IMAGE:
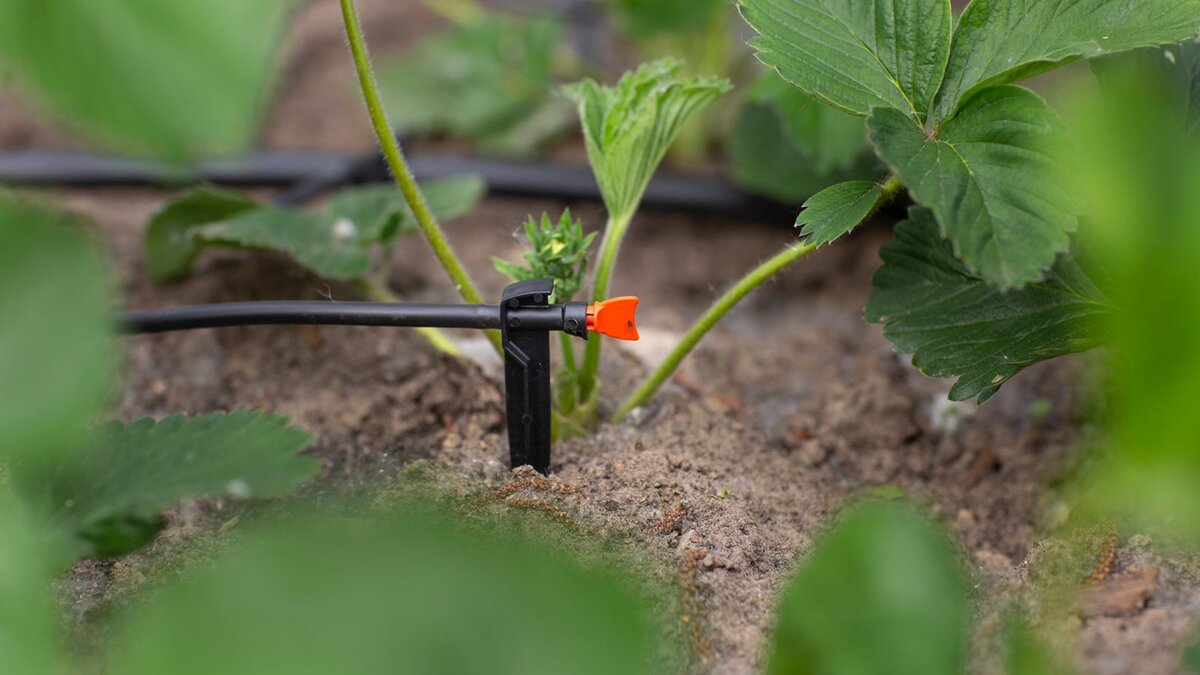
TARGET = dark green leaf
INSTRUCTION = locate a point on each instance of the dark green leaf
(992, 177)
(335, 244)
(330, 248)
(883, 593)
(358, 597)
(856, 55)
(176, 78)
(56, 353)
(108, 500)
(170, 245)
(955, 325)
(484, 81)
(767, 159)
(1001, 41)
(836, 210)
(1174, 70)
(833, 139)
(646, 18)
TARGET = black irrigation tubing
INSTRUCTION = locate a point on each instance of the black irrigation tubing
(306, 175)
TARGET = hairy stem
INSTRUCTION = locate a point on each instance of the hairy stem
(614, 232)
(568, 351)
(438, 339)
(721, 307)
(399, 167)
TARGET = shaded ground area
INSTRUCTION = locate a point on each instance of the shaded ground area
(790, 408)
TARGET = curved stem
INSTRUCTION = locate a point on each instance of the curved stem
(722, 306)
(399, 167)
(614, 232)
(438, 339)
(705, 323)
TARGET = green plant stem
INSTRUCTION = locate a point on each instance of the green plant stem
(399, 167)
(568, 351)
(721, 307)
(438, 339)
(614, 232)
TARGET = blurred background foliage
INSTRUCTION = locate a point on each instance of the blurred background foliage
(419, 594)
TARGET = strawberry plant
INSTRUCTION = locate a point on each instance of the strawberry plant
(99, 491)
(490, 79)
(981, 282)
(353, 240)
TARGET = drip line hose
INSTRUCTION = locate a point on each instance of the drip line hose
(316, 312)
(307, 175)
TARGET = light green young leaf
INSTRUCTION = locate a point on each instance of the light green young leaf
(178, 78)
(992, 177)
(883, 593)
(170, 245)
(836, 210)
(484, 81)
(410, 598)
(107, 501)
(856, 54)
(56, 352)
(555, 250)
(1002, 41)
(628, 127)
(335, 244)
(956, 325)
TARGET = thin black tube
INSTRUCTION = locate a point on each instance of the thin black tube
(307, 175)
(309, 312)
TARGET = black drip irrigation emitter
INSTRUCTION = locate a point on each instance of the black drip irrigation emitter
(524, 317)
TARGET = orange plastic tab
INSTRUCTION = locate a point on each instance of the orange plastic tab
(615, 317)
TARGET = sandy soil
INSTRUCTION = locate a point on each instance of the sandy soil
(790, 408)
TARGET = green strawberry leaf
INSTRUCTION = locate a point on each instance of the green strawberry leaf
(335, 244)
(29, 620)
(856, 55)
(650, 18)
(1002, 41)
(1173, 71)
(484, 81)
(883, 593)
(56, 351)
(170, 246)
(992, 178)
(834, 140)
(108, 500)
(836, 210)
(628, 127)
(412, 597)
(178, 79)
(956, 325)
(331, 248)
